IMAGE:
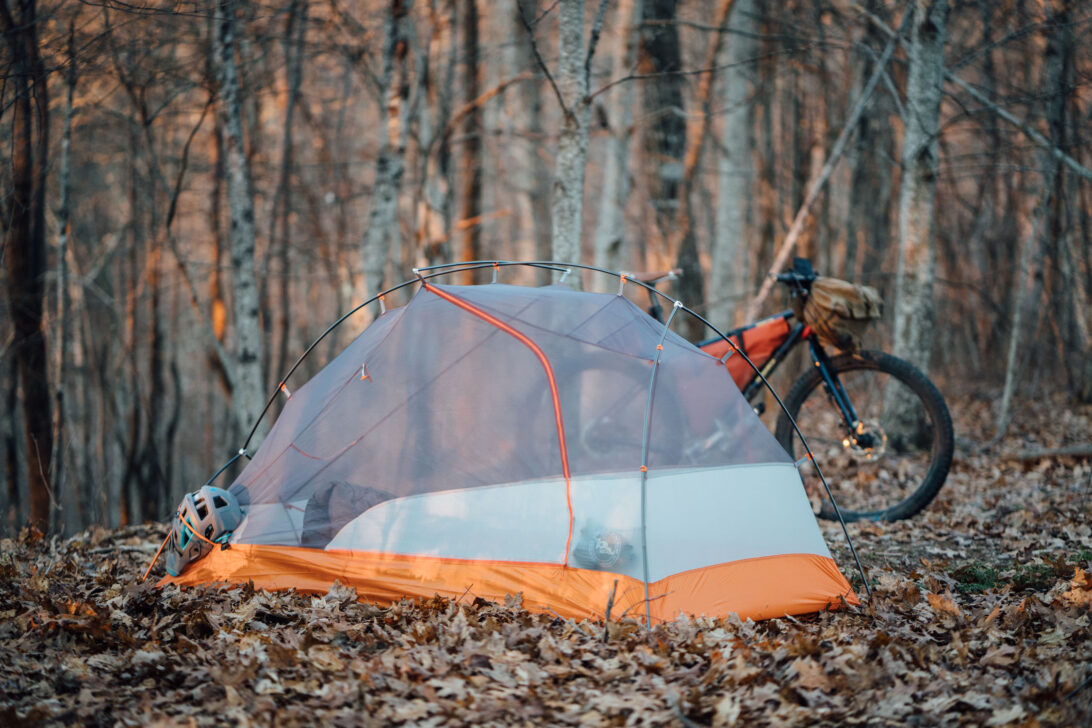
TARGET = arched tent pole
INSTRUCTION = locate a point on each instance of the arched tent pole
(803, 440)
(424, 273)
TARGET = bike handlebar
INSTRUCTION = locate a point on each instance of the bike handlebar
(802, 275)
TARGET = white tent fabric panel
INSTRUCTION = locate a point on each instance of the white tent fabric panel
(509, 522)
(715, 515)
(696, 518)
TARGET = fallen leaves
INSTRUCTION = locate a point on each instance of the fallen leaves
(980, 616)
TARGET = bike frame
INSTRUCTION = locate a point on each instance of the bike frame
(799, 333)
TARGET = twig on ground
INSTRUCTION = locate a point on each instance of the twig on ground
(606, 619)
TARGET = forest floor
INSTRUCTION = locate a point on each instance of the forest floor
(980, 615)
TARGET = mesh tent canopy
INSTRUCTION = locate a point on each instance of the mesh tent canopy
(498, 439)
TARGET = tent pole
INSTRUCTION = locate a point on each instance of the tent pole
(644, 460)
(803, 440)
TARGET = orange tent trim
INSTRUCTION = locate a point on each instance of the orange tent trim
(758, 588)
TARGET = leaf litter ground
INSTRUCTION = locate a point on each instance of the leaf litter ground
(980, 616)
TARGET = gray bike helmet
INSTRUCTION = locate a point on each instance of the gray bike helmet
(211, 512)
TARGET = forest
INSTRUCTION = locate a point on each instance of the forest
(194, 190)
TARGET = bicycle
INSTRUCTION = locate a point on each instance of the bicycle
(882, 435)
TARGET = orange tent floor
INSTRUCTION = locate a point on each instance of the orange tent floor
(759, 588)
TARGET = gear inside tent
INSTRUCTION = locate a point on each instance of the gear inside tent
(495, 439)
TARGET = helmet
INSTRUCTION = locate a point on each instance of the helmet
(206, 515)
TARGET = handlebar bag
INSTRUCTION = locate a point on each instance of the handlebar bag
(840, 311)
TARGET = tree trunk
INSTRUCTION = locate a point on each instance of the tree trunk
(248, 395)
(470, 247)
(665, 129)
(1028, 283)
(294, 33)
(868, 222)
(534, 173)
(572, 147)
(611, 229)
(684, 241)
(735, 168)
(25, 246)
(914, 306)
(914, 309)
(74, 514)
(381, 234)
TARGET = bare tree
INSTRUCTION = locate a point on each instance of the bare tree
(471, 173)
(25, 244)
(572, 146)
(610, 230)
(728, 262)
(914, 309)
(664, 107)
(248, 396)
(1029, 279)
(381, 233)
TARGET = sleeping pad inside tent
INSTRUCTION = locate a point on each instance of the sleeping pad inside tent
(495, 439)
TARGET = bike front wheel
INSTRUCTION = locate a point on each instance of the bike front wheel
(893, 461)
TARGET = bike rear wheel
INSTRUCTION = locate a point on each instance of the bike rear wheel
(895, 462)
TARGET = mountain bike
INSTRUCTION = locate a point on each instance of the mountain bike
(878, 427)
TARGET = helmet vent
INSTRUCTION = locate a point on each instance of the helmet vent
(202, 511)
(218, 502)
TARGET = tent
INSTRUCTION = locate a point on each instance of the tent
(496, 439)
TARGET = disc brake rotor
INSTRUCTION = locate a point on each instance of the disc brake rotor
(869, 442)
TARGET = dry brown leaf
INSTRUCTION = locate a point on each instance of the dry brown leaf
(943, 604)
(1080, 593)
(726, 712)
(1001, 656)
(810, 675)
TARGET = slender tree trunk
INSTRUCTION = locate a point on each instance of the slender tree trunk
(572, 146)
(470, 247)
(735, 169)
(665, 125)
(611, 229)
(535, 175)
(74, 516)
(294, 34)
(914, 307)
(683, 237)
(381, 234)
(13, 515)
(247, 396)
(25, 246)
(868, 222)
(1028, 283)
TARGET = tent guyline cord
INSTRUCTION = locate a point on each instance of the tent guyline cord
(424, 273)
(644, 452)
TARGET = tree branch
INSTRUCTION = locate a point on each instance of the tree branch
(542, 63)
(691, 72)
(817, 184)
(593, 40)
(981, 98)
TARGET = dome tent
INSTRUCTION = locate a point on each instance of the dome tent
(493, 439)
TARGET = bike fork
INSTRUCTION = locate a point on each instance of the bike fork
(835, 389)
